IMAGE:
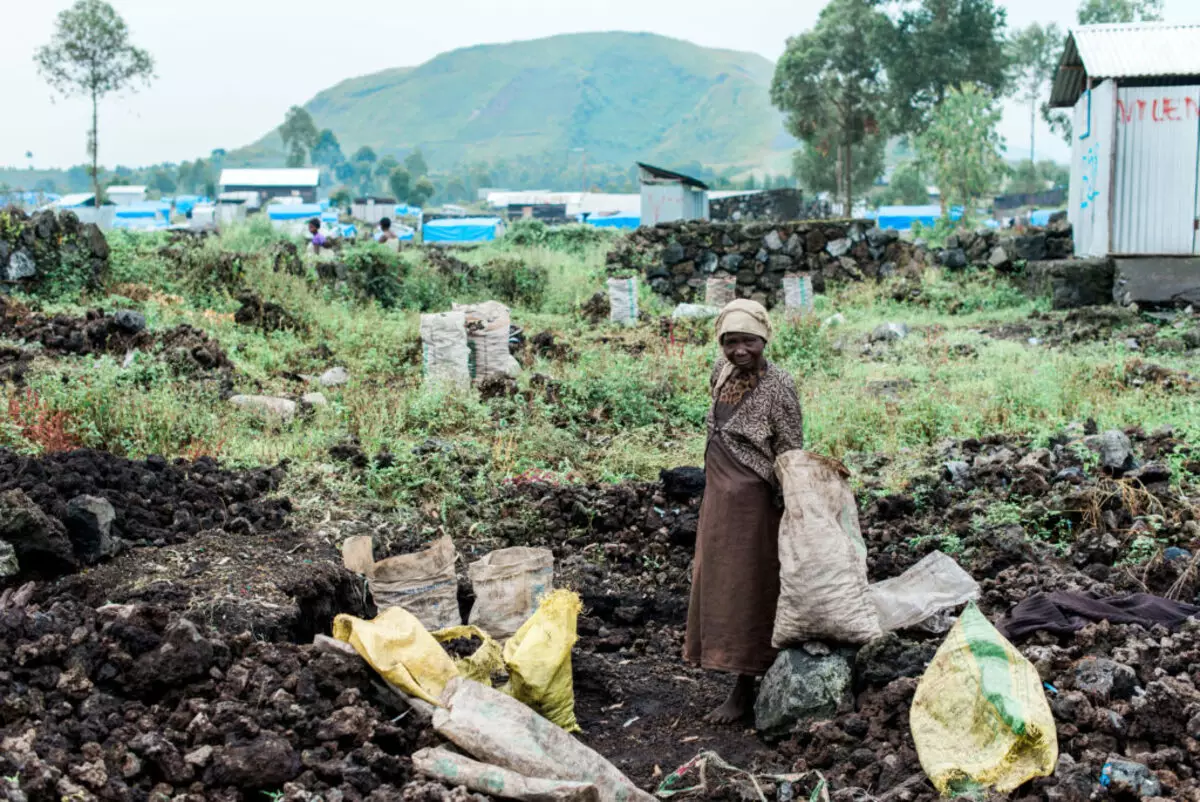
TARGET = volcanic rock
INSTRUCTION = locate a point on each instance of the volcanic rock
(89, 524)
(801, 687)
(39, 541)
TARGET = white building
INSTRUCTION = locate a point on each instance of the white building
(1135, 94)
(668, 196)
(126, 195)
(276, 182)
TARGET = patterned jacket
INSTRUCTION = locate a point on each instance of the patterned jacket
(766, 423)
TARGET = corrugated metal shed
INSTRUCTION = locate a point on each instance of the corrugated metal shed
(272, 177)
(1124, 50)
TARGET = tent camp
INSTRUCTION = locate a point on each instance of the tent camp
(83, 205)
(145, 216)
(902, 218)
(463, 230)
(293, 217)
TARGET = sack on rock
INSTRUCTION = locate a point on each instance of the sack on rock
(538, 658)
(444, 350)
(822, 556)
(487, 340)
(623, 301)
(495, 729)
(455, 770)
(424, 583)
(719, 291)
(509, 585)
(482, 664)
(403, 652)
(934, 584)
(980, 716)
(798, 294)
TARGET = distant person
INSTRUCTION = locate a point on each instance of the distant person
(385, 233)
(318, 239)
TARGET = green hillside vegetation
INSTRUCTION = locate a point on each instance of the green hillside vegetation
(620, 96)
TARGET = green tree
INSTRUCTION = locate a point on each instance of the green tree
(940, 45)
(400, 184)
(456, 190)
(818, 167)
(961, 147)
(831, 86)
(415, 164)
(341, 198)
(365, 154)
(383, 168)
(1093, 12)
(161, 180)
(1025, 178)
(299, 134)
(326, 151)
(90, 54)
(421, 191)
(907, 187)
(1034, 53)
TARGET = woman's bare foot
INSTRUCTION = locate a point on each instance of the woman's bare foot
(735, 708)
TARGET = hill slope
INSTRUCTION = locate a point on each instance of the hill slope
(622, 96)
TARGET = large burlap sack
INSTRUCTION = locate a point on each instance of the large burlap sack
(980, 716)
(446, 356)
(719, 291)
(501, 731)
(509, 585)
(424, 583)
(822, 556)
(623, 301)
(455, 770)
(403, 652)
(487, 340)
(482, 664)
(538, 658)
(798, 295)
(934, 584)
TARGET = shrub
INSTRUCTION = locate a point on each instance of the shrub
(516, 283)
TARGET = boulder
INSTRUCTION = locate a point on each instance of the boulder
(682, 484)
(1103, 679)
(1074, 283)
(129, 321)
(801, 687)
(269, 406)
(890, 658)
(772, 242)
(89, 522)
(673, 253)
(8, 560)
(266, 762)
(184, 655)
(889, 332)
(39, 541)
(731, 262)
(314, 400)
(954, 258)
(1031, 247)
(1114, 448)
(956, 471)
(998, 258)
(839, 247)
(1126, 777)
(20, 266)
(878, 237)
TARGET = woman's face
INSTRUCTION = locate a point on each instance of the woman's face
(744, 351)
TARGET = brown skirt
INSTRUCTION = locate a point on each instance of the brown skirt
(735, 578)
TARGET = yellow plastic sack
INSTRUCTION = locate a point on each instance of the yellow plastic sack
(396, 645)
(539, 659)
(980, 717)
(480, 666)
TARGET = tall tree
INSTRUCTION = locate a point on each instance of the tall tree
(907, 187)
(299, 134)
(1034, 53)
(400, 183)
(415, 164)
(941, 45)
(326, 151)
(817, 165)
(384, 167)
(90, 54)
(365, 154)
(831, 84)
(1093, 12)
(421, 191)
(961, 147)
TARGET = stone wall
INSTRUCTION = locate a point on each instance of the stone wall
(768, 206)
(45, 246)
(677, 259)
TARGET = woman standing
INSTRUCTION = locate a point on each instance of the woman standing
(755, 417)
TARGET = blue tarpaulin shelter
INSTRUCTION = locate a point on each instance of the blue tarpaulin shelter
(404, 210)
(1041, 217)
(185, 203)
(902, 218)
(147, 216)
(462, 229)
(614, 221)
(293, 211)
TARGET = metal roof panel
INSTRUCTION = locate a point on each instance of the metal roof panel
(271, 177)
(1125, 50)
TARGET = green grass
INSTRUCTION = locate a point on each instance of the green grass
(628, 403)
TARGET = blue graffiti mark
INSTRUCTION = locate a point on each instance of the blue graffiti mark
(1090, 178)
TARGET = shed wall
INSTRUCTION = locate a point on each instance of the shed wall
(1091, 169)
(667, 202)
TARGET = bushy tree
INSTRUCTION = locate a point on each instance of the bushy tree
(400, 184)
(961, 148)
(299, 134)
(1093, 12)
(421, 191)
(1034, 53)
(817, 165)
(907, 187)
(415, 164)
(90, 54)
(365, 154)
(341, 198)
(940, 45)
(326, 151)
(832, 87)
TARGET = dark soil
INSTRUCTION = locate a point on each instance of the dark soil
(462, 647)
(266, 316)
(1165, 335)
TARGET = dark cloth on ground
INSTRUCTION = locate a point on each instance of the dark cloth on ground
(1063, 613)
(735, 578)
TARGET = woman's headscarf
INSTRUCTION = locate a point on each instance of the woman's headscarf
(744, 316)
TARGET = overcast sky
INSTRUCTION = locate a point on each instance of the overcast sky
(229, 69)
